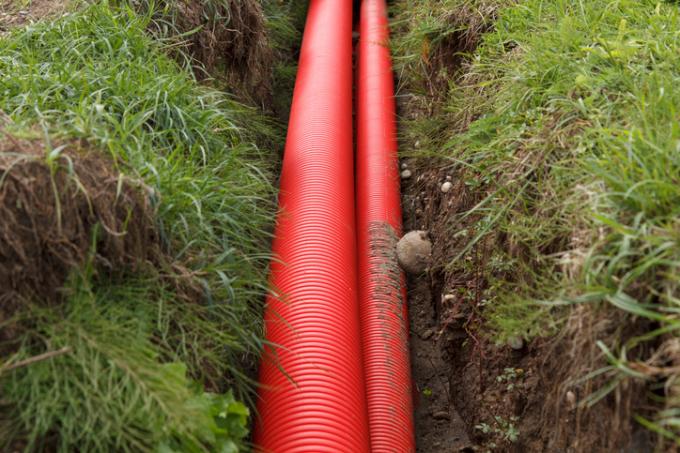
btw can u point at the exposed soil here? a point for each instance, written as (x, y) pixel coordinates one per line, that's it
(476, 395)
(228, 39)
(439, 426)
(14, 13)
(57, 213)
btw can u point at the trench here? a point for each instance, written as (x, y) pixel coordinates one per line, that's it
(334, 373)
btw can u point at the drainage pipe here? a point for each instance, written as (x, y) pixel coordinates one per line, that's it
(382, 298)
(312, 395)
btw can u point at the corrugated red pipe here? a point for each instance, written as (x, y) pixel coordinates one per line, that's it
(382, 298)
(312, 395)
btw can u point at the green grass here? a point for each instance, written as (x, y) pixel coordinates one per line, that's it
(564, 123)
(140, 356)
(111, 390)
(285, 22)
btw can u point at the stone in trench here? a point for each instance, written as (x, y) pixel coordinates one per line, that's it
(414, 252)
(426, 334)
(571, 400)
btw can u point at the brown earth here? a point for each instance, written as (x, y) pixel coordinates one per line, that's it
(14, 13)
(227, 38)
(61, 205)
(476, 395)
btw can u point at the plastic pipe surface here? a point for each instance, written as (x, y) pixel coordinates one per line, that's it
(382, 300)
(312, 395)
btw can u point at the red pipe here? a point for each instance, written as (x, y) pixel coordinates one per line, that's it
(312, 395)
(382, 297)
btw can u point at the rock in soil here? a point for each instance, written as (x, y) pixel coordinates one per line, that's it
(427, 334)
(414, 252)
(516, 343)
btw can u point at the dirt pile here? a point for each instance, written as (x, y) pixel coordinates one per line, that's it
(57, 207)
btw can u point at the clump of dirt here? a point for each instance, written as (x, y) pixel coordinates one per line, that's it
(14, 13)
(60, 207)
(228, 36)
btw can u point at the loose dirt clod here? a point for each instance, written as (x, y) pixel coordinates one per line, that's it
(414, 252)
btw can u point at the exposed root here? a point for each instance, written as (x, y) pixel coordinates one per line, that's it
(573, 418)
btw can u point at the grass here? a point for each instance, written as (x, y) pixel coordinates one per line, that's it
(285, 22)
(246, 47)
(111, 391)
(563, 123)
(432, 37)
(146, 369)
